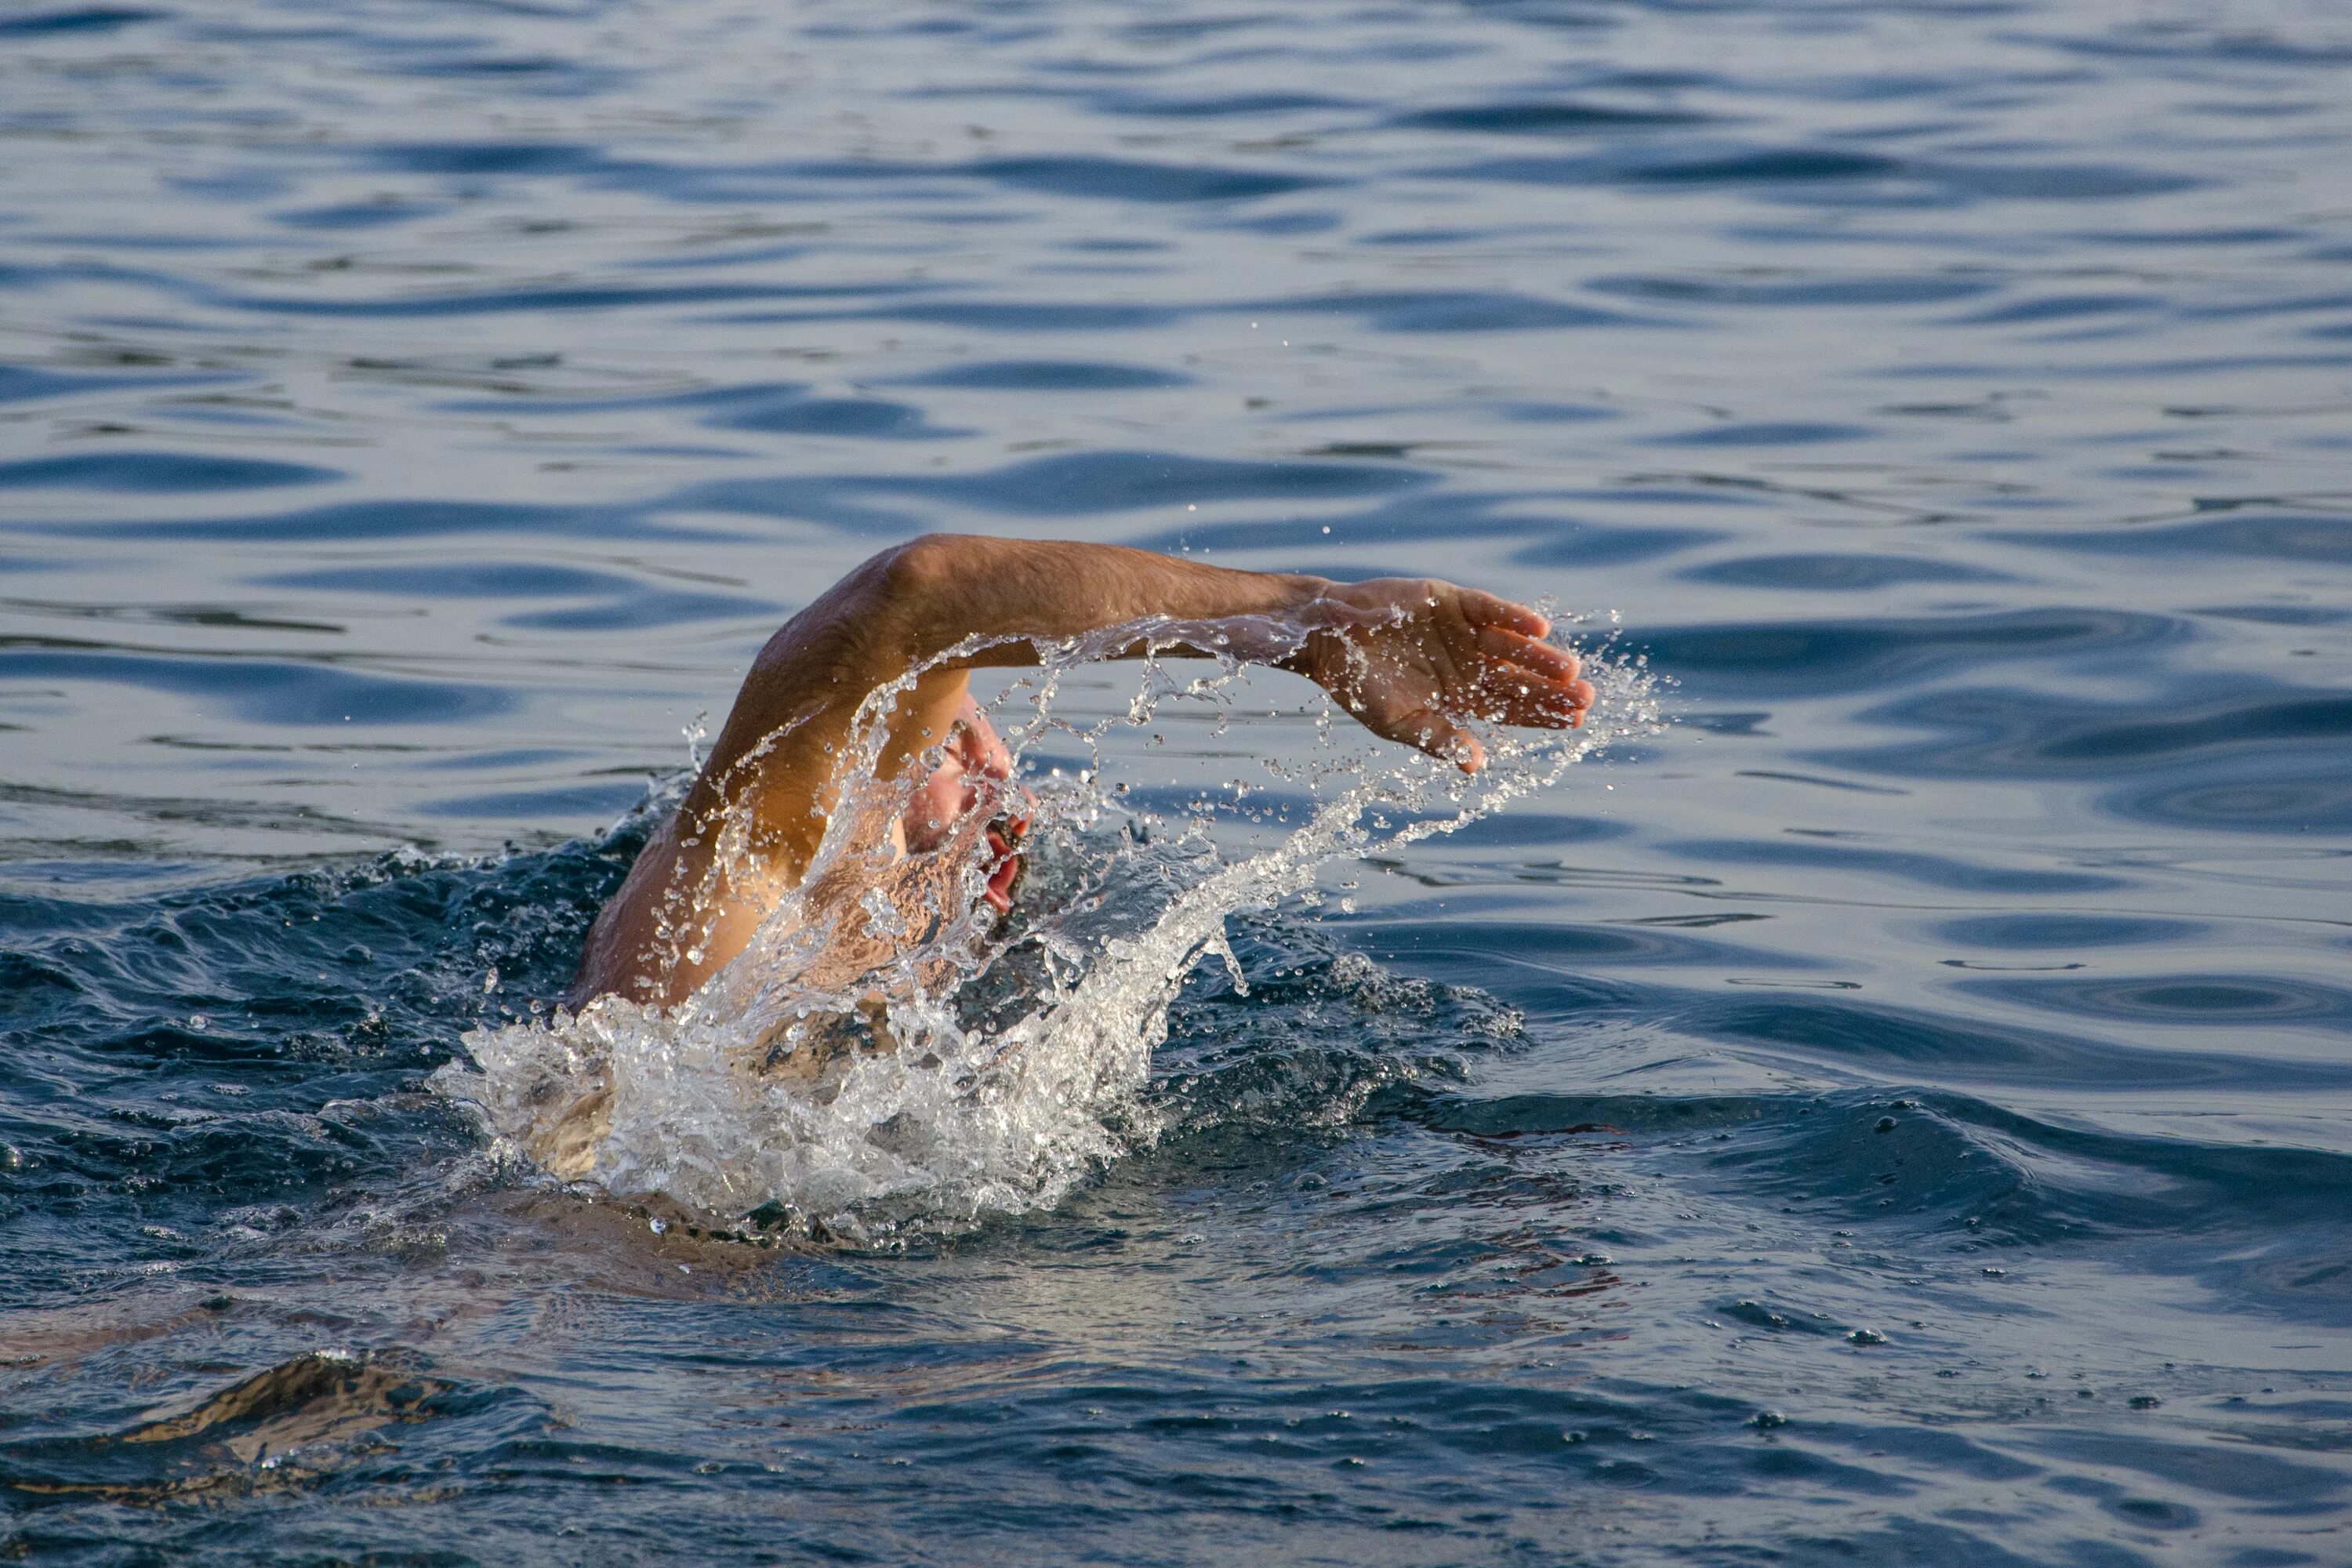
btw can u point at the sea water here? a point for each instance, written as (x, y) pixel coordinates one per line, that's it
(1898, 1111)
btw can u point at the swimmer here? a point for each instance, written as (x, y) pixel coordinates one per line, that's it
(1410, 659)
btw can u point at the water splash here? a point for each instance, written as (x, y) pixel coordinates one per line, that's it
(889, 1055)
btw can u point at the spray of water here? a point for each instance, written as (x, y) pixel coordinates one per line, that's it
(889, 1053)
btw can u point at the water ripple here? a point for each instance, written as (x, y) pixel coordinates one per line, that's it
(1898, 1114)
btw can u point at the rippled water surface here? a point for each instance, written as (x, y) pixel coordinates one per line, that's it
(1901, 1114)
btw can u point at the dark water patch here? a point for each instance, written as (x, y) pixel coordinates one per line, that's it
(2040, 932)
(2061, 182)
(2295, 720)
(697, 400)
(1449, 513)
(2222, 235)
(1134, 179)
(1861, 289)
(1413, 310)
(503, 301)
(1677, 490)
(718, 260)
(1064, 486)
(1126, 481)
(2213, 1469)
(2059, 307)
(793, 414)
(1237, 105)
(2232, 1001)
(484, 158)
(2280, 800)
(533, 75)
(401, 520)
(1836, 573)
(457, 580)
(1052, 375)
(83, 19)
(1578, 1115)
(34, 383)
(766, 407)
(1816, 780)
(1764, 433)
(1528, 830)
(1810, 658)
(513, 757)
(1532, 411)
(347, 216)
(1977, 1176)
(644, 607)
(2201, 44)
(1881, 1162)
(1760, 166)
(1572, 545)
(1020, 315)
(1898, 1043)
(1904, 865)
(2256, 758)
(263, 690)
(168, 473)
(2318, 538)
(1831, 175)
(591, 800)
(1559, 117)
(1570, 951)
(2276, 614)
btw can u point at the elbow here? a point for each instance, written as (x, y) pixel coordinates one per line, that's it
(914, 573)
(908, 601)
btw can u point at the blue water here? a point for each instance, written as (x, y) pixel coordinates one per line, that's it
(1902, 1114)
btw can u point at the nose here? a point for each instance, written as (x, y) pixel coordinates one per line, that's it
(978, 745)
(975, 760)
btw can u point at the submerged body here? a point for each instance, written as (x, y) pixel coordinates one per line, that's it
(876, 667)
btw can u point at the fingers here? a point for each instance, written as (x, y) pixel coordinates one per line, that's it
(1523, 649)
(1535, 707)
(1530, 683)
(1483, 609)
(1432, 731)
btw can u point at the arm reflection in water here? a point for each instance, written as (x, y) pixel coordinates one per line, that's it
(1410, 659)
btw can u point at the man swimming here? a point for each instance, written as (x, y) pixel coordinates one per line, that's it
(1410, 659)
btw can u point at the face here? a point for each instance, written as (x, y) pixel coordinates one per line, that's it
(976, 774)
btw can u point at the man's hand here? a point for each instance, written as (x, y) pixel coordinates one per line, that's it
(1411, 657)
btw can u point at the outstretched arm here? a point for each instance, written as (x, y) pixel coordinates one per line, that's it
(1410, 657)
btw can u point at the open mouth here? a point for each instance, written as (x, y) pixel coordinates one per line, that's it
(1004, 837)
